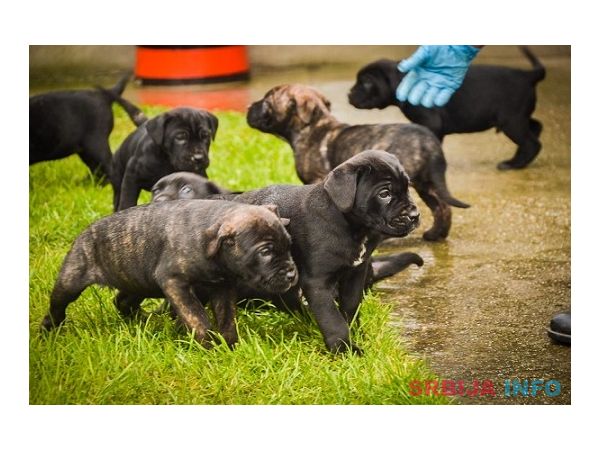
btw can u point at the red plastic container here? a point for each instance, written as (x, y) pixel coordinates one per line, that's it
(191, 64)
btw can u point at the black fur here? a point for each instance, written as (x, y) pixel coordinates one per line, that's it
(490, 97)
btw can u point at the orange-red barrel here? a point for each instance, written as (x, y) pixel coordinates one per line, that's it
(189, 64)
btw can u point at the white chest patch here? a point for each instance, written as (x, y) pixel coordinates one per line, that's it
(361, 254)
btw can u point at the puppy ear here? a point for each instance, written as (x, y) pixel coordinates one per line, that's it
(213, 124)
(340, 184)
(217, 235)
(273, 209)
(310, 108)
(212, 188)
(156, 128)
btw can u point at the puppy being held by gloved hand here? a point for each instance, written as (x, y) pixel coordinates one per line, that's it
(187, 252)
(489, 97)
(177, 140)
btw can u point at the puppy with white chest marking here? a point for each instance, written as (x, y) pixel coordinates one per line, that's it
(177, 140)
(335, 225)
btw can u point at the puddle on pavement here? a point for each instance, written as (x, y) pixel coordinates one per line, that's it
(479, 307)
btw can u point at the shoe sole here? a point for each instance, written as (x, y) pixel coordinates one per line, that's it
(559, 337)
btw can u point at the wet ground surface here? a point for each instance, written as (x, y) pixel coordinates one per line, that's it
(479, 307)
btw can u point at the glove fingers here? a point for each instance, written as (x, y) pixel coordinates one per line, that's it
(429, 96)
(443, 96)
(414, 60)
(406, 85)
(417, 93)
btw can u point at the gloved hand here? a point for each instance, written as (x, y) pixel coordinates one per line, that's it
(434, 73)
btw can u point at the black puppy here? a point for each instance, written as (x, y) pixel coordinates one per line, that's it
(177, 140)
(78, 121)
(490, 96)
(187, 185)
(335, 226)
(182, 251)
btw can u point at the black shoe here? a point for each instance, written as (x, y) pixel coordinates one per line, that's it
(560, 328)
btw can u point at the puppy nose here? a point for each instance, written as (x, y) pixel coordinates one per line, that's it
(413, 212)
(160, 198)
(290, 274)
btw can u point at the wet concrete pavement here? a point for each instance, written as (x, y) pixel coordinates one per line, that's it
(479, 307)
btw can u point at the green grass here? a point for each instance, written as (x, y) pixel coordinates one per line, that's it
(96, 357)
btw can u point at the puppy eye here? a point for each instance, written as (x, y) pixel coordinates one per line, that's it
(266, 251)
(367, 84)
(185, 189)
(384, 193)
(182, 136)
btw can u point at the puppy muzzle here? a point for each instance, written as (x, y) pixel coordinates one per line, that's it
(283, 279)
(407, 221)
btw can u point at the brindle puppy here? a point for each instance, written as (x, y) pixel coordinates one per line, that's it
(335, 226)
(179, 250)
(302, 116)
(187, 185)
(170, 142)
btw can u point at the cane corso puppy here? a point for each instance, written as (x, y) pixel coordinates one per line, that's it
(335, 225)
(302, 116)
(490, 97)
(78, 121)
(184, 251)
(187, 185)
(177, 140)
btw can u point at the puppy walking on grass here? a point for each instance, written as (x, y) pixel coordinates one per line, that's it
(186, 252)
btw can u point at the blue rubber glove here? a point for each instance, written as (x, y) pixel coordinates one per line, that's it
(434, 73)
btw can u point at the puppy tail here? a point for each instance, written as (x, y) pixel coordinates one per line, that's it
(438, 179)
(387, 265)
(118, 88)
(134, 113)
(539, 71)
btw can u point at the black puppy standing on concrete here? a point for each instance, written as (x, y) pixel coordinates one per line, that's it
(177, 140)
(187, 252)
(188, 185)
(335, 225)
(302, 116)
(490, 96)
(78, 121)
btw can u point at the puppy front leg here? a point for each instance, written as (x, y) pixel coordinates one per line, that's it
(223, 306)
(188, 308)
(352, 286)
(130, 191)
(320, 296)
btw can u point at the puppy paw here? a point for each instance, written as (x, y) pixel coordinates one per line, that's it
(343, 347)
(510, 165)
(433, 235)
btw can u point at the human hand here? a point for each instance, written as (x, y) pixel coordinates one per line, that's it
(434, 73)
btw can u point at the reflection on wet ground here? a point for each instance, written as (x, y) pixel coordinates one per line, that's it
(478, 308)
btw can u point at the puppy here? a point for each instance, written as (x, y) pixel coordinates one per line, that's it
(177, 140)
(187, 185)
(184, 185)
(335, 225)
(301, 115)
(78, 121)
(179, 250)
(490, 96)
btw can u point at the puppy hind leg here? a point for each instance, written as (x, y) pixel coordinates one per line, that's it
(72, 280)
(128, 304)
(523, 133)
(98, 158)
(442, 214)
